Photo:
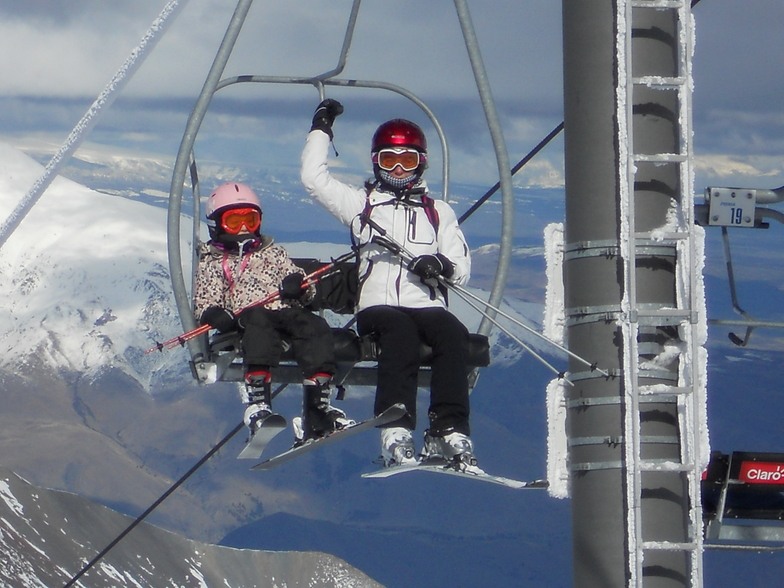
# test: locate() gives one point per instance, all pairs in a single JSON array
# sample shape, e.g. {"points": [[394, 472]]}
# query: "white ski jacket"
{"points": [[384, 279]]}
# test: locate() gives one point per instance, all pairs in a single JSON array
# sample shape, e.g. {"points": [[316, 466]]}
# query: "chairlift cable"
{"points": [[515, 169], [165, 495], [90, 118], [154, 505]]}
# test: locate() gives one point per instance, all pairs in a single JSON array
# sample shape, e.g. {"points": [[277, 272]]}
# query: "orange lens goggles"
{"points": [[233, 220], [408, 159]]}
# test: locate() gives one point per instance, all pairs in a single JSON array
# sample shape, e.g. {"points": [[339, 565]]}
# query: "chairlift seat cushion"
{"points": [[351, 348]]}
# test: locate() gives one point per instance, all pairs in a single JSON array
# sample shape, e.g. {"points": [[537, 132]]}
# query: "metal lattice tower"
{"points": [[663, 357]]}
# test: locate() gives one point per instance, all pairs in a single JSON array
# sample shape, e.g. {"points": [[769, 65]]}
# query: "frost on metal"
{"points": [[554, 327], [673, 222], [689, 347], [693, 367], [557, 447], [555, 330], [626, 171]]}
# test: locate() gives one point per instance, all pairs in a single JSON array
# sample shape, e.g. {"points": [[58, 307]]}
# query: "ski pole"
{"points": [[397, 249], [561, 374], [406, 256], [467, 293], [200, 330], [308, 280]]}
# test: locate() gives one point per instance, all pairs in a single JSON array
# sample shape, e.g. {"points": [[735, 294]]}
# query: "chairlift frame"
{"points": [[742, 511], [744, 492], [204, 367], [750, 215]]}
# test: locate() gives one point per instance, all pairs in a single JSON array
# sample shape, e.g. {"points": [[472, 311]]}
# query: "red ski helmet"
{"points": [[398, 133]]}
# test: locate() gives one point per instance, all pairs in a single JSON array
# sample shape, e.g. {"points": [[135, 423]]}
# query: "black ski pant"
{"points": [[309, 334], [399, 332]]}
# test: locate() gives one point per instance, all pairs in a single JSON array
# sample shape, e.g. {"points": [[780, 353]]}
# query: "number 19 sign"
{"points": [[731, 207]]}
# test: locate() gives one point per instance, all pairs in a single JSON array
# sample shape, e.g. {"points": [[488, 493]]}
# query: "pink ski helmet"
{"points": [[231, 195], [225, 197]]}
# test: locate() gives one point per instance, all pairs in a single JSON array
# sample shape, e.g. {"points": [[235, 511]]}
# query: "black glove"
{"points": [[431, 266], [325, 115], [219, 318], [291, 287]]}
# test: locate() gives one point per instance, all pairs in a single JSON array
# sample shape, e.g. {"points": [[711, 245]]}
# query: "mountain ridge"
{"points": [[48, 537]]}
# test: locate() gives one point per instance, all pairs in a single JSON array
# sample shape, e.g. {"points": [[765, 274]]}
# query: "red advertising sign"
{"points": [[761, 472]]}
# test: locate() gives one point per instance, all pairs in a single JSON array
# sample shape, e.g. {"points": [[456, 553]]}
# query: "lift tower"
{"points": [[633, 295]]}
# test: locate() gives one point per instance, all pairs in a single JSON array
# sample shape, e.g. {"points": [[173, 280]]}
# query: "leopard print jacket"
{"points": [[232, 281]]}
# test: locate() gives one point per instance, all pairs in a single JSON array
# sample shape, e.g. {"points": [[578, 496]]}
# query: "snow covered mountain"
{"points": [[85, 277], [48, 537]]}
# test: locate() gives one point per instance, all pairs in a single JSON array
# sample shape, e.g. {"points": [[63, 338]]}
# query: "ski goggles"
{"points": [[233, 220], [387, 159]]}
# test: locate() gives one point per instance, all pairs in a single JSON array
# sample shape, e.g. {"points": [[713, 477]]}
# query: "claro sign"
{"points": [[761, 472]]}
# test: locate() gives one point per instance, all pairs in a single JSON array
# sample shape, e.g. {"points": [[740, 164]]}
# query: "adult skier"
{"points": [[240, 266], [402, 303]]}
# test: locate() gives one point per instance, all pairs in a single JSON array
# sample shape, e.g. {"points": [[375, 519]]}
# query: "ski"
{"points": [[270, 427], [391, 414], [441, 466]]}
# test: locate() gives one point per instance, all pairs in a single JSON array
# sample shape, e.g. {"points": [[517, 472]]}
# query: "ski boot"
{"points": [[258, 399], [454, 447], [397, 447], [319, 418]]}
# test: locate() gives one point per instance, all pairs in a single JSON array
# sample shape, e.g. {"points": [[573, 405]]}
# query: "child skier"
{"points": [[238, 267], [402, 304]]}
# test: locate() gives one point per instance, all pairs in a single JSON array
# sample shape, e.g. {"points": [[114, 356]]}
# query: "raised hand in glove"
{"points": [[291, 287], [219, 318], [431, 266], [325, 115]]}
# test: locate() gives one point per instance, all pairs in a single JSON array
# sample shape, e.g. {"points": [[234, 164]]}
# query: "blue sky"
{"points": [[65, 54]]}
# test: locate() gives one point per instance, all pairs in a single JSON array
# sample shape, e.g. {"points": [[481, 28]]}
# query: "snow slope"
{"points": [[85, 277]]}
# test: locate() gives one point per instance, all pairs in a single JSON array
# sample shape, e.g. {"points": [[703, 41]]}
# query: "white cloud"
{"points": [[402, 42], [417, 45], [541, 173], [761, 171]]}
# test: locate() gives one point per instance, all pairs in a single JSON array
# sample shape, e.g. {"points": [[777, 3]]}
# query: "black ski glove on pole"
{"points": [[291, 287], [325, 115], [431, 266], [219, 318]]}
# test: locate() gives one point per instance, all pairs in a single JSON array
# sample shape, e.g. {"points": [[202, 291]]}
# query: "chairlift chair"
{"points": [[219, 358], [743, 500]]}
